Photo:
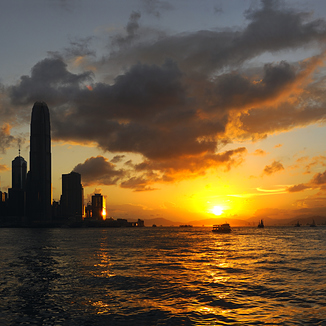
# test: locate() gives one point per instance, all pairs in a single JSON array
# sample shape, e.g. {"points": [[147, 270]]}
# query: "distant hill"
{"points": [[217, 220], [253, 221], [303, 220], [307, 220], [161, 221]]}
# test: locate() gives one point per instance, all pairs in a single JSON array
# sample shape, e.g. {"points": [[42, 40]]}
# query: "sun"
{"points": [[217, 210]]}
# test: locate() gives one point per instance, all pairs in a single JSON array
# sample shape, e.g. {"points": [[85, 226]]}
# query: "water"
{"points": [[163, 276]]}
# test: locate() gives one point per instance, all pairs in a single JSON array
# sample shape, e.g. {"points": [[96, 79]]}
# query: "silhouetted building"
{"points": [[56, 211], [98, 207], [39, 175], [17, 194], [18, 173], [88, 211], [72, 196], [3, 203]]}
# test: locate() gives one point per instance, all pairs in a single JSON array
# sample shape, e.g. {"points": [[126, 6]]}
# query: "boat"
{"points": [[154, 225], [261, 224], [222, 228], [185, 226], [298, 224], [313, 224]]}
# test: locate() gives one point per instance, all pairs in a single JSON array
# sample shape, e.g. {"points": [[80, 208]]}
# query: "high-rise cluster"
{"points": [[29, 200]]}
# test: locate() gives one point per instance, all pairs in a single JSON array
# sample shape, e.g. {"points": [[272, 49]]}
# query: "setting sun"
{"points": [[217, 210]]}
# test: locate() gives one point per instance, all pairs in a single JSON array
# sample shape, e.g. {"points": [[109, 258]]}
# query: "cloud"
{"points": [[50, 80], [131, 29], [276, 166], [98, 171], [317, 182], [316, 161], [6, 139], [319, 179], [176, 100], [4, 167], [137, 184], [117, 158], [297, 188], [259, 152], [208, 51]]}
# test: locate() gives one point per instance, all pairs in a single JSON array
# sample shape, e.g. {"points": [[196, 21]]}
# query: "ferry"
{"points": [[222, 228]]}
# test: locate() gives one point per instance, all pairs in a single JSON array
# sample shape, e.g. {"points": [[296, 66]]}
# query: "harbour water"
{"points": [[163, 276]]}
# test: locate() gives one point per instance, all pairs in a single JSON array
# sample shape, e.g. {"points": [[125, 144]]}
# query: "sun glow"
{"points": [[217, 210]]}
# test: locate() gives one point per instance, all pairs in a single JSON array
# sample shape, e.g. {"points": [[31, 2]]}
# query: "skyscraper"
{"points": [[19, 170], [39, 175], [72, 196], [17, 192]]}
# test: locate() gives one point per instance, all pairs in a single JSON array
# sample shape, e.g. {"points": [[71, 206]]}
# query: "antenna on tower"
{"points": [[19, 150]]}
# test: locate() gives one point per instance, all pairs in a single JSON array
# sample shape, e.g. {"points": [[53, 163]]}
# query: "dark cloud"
{"points": [[51, 81], [273, 168], [117, 159], [174, 169], [131, 29], [98, 171], [271, 28], [138, 184], [177, 100]]}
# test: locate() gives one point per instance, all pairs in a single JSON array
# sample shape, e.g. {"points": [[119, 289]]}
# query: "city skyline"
{"points": [[178, 110]]}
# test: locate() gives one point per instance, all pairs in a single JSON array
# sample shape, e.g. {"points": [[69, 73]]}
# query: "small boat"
{"points": [[154, 225], [313, 224], [298, 224], [222, 228], [261, 224], [185, 226]]}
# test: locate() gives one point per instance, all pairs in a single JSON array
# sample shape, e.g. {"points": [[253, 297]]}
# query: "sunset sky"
{"points": [[178, 109]]}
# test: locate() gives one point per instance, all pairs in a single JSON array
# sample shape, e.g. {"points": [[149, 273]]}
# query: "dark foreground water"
{"points": [[163, 276]]}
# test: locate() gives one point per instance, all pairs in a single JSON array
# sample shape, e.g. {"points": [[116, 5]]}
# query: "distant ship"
{"points": [[185, 226], [298, 224], [313, 224], [261, 224], [222, 228]]}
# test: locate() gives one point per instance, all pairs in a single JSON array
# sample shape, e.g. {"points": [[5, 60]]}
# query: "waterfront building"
{"points": [[98, 207], [72, 196], [39, 190], [17, 194], [18, 173], [3, 203]]}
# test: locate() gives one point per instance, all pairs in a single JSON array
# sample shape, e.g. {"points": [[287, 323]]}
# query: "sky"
{"points": [[177, 109]]}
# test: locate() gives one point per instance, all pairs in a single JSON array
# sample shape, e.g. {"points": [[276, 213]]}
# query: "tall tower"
{"points": [[39, 175]]}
